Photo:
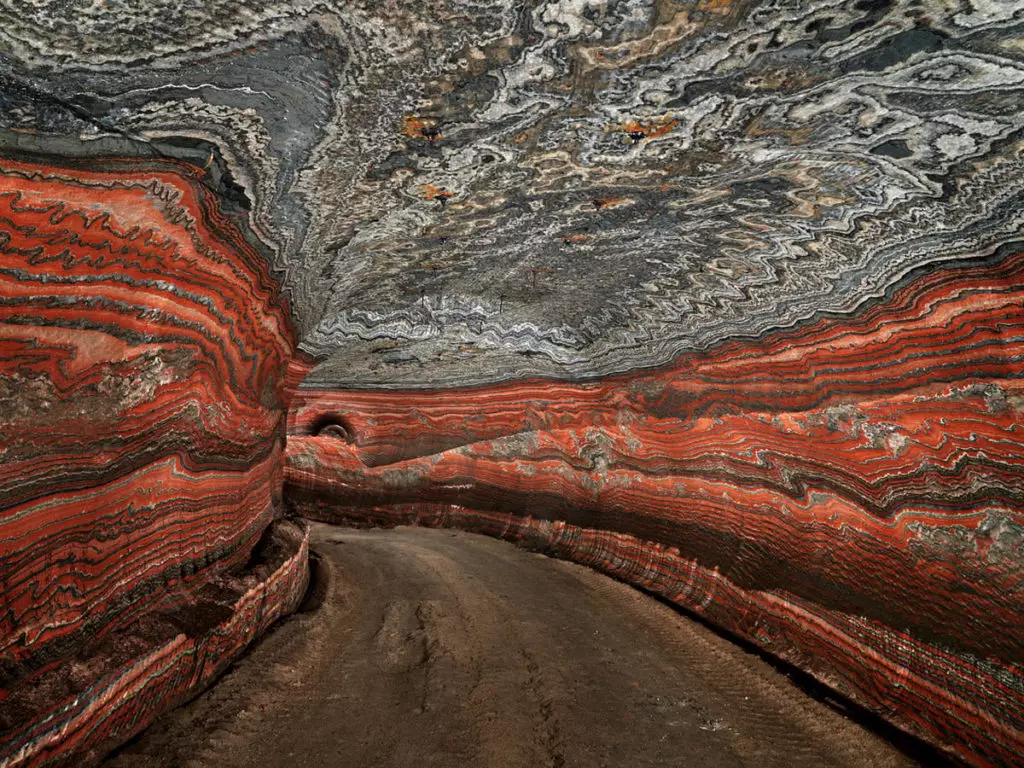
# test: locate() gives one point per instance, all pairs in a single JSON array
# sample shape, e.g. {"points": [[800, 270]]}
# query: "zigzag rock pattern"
{"points": [[460, 192], [143, 359], [846, 495], [723, 297]]}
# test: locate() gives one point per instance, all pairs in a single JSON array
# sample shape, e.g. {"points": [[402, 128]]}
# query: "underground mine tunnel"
{"points": [[487, 383]]}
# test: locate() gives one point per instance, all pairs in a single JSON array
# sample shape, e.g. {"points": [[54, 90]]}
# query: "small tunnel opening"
{"points": [[332, 425]]}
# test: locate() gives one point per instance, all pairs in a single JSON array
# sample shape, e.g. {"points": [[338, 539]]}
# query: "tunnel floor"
{"points": [[441, 648]]}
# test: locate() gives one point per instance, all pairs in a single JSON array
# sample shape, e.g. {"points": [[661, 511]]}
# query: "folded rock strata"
{"points": [[144, 366], [845, 495], [722, 297]]}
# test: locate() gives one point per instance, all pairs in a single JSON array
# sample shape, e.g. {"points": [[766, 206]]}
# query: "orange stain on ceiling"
{"points": [[715, 6], [636, 130], [430, 192], [420, 129]]}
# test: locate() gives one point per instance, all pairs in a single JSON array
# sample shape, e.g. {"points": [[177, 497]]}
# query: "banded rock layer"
{"points": [[846, 495], [778, 242], [468, 191], [144, 352]]}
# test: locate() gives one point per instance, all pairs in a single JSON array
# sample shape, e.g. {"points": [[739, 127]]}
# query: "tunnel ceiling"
{"points": [[455, 192]]}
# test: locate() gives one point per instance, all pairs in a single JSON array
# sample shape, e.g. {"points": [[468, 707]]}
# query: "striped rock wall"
{"points": [[144, 372], [846, 494]]}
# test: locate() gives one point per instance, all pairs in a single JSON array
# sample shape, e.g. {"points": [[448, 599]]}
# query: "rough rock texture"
{"points": [[122, 683], [470, 190], [846, 495], [144, 361], [807, 213]]}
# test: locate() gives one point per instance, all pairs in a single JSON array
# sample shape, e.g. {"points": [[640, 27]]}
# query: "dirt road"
{"points": [[436, 648]]}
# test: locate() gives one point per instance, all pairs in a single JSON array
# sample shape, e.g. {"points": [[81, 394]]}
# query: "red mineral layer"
{"points": [[847, 494], [120, 703], [144, 374]]}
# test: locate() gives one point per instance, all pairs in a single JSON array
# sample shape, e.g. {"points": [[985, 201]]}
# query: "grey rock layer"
{"points": [[457, 192]]}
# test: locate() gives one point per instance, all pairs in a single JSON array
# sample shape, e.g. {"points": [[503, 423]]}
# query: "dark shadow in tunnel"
{"points": [[332, 425]]}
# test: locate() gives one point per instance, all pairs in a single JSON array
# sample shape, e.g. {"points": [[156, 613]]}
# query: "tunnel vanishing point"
{"points": [[722, 298]]}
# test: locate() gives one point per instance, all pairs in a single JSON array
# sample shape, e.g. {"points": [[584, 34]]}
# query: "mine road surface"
{"points": [[427, 648]]}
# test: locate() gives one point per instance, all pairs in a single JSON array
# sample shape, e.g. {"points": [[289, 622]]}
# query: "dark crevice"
{"points": [[319, 584], [332, 425]]}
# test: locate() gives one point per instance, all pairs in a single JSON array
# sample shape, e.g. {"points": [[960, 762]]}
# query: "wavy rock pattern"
{"points": [[136, 678], [846, 495], [460, 192], [780, 240], [143, 353]]}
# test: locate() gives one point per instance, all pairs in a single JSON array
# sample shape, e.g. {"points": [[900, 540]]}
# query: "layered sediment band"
{"points": [[144, 377], [844, 494]]}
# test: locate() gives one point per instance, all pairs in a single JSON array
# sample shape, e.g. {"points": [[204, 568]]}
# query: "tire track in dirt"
{"points": [[440, 648]]}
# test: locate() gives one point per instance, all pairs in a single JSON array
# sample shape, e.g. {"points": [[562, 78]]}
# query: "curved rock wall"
{"points": [[846, 494], [144, 364], [470, 191], [810, 212]]}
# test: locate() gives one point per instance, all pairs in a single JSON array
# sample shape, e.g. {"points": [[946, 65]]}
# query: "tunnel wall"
{"points": [[145, 365], [847, 494]]}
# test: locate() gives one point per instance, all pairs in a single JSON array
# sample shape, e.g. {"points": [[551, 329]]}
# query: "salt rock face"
{"points": [[778, 241], [468, 191], [846, 494], [143, 353]]}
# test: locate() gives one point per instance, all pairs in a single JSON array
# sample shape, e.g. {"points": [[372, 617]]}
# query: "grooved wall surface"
{"points": [[736, 280], [847, 496], [143, 350]]}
